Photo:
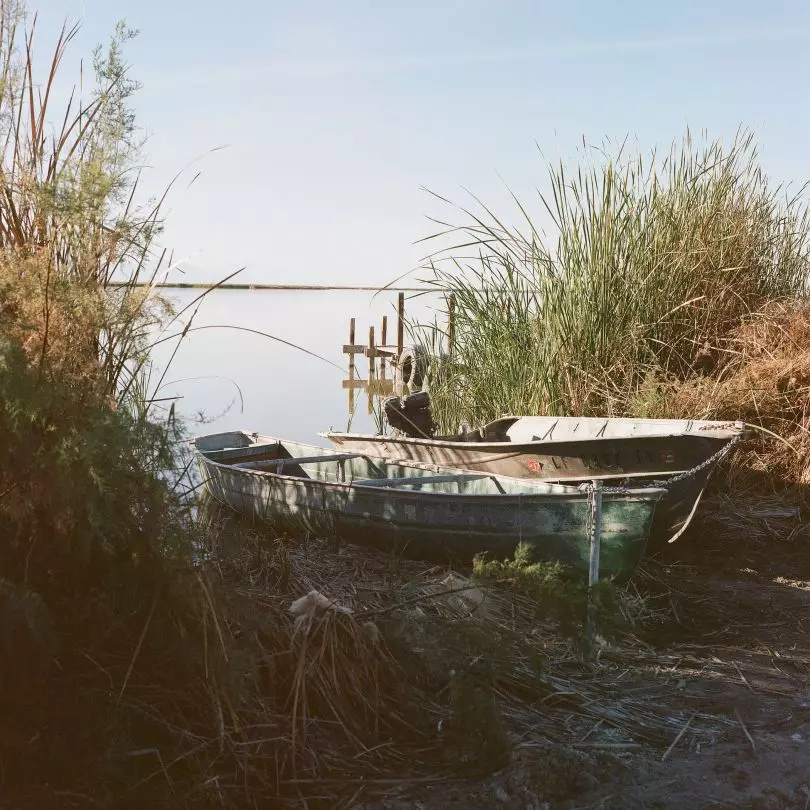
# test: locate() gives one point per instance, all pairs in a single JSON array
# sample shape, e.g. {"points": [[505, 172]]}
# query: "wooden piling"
{"points": [[351, 348], [400, 323], [383, 342], [351, 387], [351, 367], [377, 384]]}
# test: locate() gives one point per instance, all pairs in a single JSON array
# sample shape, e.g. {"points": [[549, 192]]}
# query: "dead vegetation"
{"points": [[401, 675], [759, 374]]}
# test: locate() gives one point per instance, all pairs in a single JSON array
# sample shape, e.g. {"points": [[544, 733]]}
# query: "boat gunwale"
{"points": [[722, 434]]}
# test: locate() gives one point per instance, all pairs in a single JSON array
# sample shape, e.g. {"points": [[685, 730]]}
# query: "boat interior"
{"points": [[270, 455], [523, 429]]}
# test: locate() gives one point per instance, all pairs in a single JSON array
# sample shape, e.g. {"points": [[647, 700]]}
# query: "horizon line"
{"points": [[214, 286]]}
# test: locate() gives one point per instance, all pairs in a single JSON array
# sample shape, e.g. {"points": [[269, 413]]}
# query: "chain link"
{"points": [[665, 483], [723, 426]]}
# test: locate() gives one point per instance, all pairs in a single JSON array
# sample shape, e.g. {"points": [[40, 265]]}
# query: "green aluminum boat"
{"points": [[423, 510]]}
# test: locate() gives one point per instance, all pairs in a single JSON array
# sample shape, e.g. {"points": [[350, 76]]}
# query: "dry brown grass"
{"points": [[759, 374], [76, 330], [415, 674]]}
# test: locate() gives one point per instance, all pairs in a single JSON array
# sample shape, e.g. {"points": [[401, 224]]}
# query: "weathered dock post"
{"points": [[351, 349], [377, 383], [400, 323], [383, 343], [351, 366], [371, 353]]}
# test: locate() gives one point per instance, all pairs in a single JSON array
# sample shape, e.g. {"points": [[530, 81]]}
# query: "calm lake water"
{"points": [[229, 379]]}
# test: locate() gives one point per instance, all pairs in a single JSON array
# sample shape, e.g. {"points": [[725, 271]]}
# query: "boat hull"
{"points": [[615, 459], [554, 525]]}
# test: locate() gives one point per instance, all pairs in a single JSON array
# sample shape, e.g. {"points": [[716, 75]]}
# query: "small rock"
{"points": [[500, 794]]}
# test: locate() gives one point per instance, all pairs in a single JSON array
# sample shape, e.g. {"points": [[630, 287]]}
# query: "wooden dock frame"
{"points": [[378, 383]]}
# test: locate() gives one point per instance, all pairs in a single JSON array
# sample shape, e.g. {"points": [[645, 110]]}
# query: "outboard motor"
{"points": [[410, 414]]}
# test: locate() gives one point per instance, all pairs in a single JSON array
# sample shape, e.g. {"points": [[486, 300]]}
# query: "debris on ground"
{"points": [[698, 698]]}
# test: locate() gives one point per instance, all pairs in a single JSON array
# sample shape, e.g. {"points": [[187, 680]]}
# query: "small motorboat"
{"points": [[423, 510], [568, 450]]}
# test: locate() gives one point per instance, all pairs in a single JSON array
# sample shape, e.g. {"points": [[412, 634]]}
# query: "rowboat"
{"points": [[422, 510], [682, 452]]}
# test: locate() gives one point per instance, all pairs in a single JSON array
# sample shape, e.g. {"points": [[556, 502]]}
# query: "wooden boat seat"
{"points": [[414, 479], [280, 463], [239, 452]]}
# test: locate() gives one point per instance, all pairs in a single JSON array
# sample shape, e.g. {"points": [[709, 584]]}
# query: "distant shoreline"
{"points": [[186, 286]]}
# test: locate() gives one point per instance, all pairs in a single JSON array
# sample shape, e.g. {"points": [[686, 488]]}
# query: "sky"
{"points": [[335, 117]]}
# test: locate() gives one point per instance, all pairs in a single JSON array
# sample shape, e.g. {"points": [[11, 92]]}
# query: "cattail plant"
{"points": [[649, 264]]}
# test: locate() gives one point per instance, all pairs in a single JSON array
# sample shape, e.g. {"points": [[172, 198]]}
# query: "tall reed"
{"points": [[650, 261], [69, 190]]}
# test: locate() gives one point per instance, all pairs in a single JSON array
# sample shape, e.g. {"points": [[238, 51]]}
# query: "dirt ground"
{"points": [[735, 663]]}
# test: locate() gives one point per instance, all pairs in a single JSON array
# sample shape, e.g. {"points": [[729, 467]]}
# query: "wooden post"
{"points": [[383, 342], [351, 368], [351, 347], [400, 323]]}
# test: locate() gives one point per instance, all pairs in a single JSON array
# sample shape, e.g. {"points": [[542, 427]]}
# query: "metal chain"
{"points": [[665, 483], [722, 426]]}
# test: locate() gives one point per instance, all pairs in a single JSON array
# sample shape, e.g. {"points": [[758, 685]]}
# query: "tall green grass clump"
{"points": [[648, 263]]}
